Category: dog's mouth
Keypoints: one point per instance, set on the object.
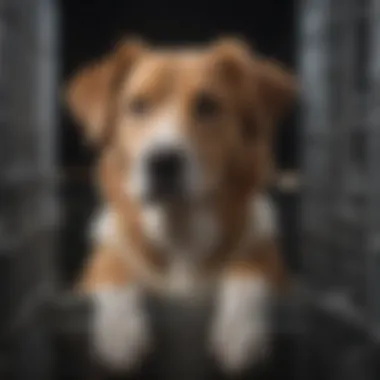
(166, 197)
(172, 194)
(178, 198)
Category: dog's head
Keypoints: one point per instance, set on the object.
(184, 123)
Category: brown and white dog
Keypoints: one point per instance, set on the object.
(185, 140)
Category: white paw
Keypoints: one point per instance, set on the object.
(240, 335)
(120, 331)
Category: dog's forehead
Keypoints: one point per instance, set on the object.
(167, 66)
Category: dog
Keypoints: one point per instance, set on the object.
(184, 140)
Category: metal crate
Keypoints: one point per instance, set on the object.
(340, 213)
(339, 50)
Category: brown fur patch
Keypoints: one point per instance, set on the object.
(264, 259)
(104, 268)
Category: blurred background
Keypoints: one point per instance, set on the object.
(328, 185)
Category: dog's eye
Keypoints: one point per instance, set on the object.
(206, 105)
(138, 106)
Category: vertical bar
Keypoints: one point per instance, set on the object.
(316, 126)
(4, 257)
(31, 91)
(373, 211)
(314, 66)
(341, 129)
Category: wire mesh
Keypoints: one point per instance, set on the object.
(28, 210)
(339, 60)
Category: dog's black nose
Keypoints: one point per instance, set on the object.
(166, 164)
(166, 172)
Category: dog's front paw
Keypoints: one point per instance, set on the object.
(239, 342)
(120, 334)
(240, 335)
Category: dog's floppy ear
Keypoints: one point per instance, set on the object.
(232, 59)
(263, 92)
(275, 85)
(89, 94)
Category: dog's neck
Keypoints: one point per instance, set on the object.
(188, 231)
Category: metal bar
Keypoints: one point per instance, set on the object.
(373, 210)
(342, 50)
(314, 65)
(316, 122)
